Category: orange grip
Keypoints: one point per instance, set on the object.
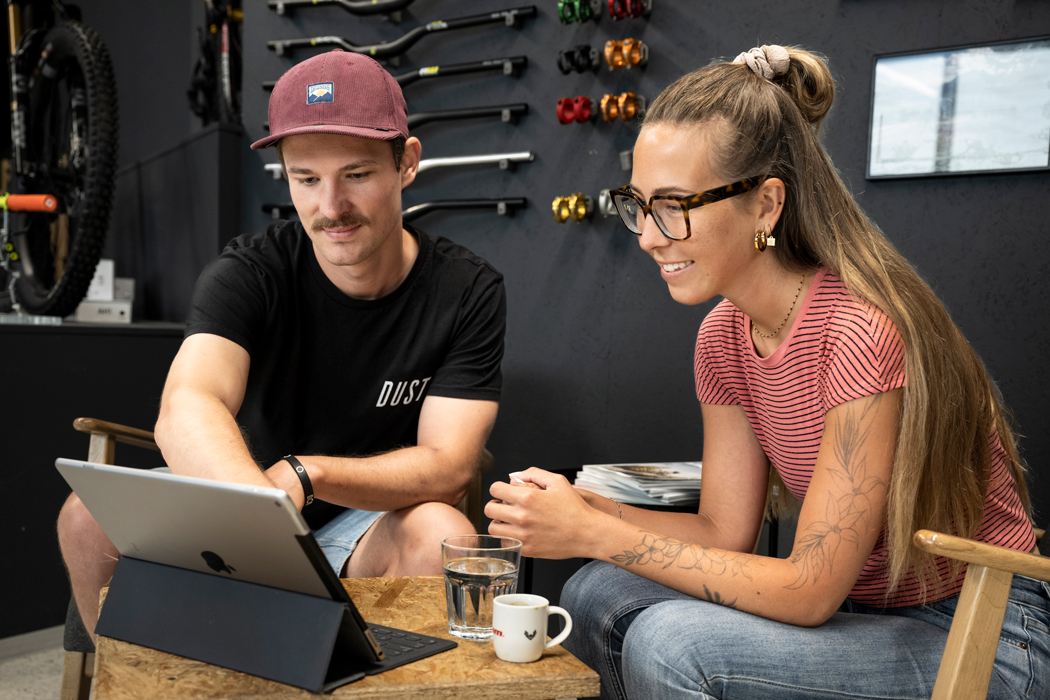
(32, 202)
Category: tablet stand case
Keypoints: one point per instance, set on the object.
(293, 638)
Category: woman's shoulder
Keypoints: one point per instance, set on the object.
(846, 315)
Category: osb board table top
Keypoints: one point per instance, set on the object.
(126, 671)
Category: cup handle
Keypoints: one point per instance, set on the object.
(555, 610)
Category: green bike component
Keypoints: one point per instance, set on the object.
(570, 11)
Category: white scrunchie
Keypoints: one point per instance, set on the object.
(766, 61)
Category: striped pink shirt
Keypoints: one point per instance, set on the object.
(837, 350)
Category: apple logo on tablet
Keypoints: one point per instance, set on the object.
(216, 564)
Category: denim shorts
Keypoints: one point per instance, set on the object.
(339, 536)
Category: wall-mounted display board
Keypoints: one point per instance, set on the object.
(599, 357)
(972, 109)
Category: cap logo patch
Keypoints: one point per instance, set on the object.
(320, 92)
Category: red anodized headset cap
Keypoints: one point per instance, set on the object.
(337, 92)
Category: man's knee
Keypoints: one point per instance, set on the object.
(427, 522)
(74, 522)
(79, 534)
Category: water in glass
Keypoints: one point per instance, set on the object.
(471, 584)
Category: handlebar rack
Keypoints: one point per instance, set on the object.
(503, 206)
(392, 49)
(506, 161)
(392, 8)
(509, 114)
(511, 65)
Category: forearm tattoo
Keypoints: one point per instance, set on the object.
(666, 552)
(847, 511)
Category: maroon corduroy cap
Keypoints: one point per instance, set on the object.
(337, 93)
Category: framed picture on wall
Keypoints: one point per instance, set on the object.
(962, 110)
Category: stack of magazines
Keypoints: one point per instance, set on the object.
(647, 483)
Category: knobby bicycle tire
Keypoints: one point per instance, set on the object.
(73, 138)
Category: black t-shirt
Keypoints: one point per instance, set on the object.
(339, 376)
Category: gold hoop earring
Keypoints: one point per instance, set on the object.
(761, 240)
(764, 237)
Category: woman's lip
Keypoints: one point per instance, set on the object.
(672, 274)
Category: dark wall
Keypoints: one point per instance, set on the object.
(177, 197)
(599, 358)
(153, 48)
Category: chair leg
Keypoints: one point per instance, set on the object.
(102, 448)
(76, 676)
(969, 655)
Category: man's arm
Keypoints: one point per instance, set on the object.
(196, 430)
(450, 438)
(198, 436)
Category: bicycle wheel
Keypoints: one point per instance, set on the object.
(72, 144)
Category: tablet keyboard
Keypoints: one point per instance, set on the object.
(402, 647)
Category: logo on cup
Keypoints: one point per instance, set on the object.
(529, 636)
(497, 632)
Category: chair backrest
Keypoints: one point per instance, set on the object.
(969, 655)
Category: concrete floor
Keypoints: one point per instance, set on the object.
(35, 675)
(31, 665)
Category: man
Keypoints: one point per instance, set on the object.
(348, 334)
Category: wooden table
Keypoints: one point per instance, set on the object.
(126, 671)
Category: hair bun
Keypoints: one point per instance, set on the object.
(809, 83)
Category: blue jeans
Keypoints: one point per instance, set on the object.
(647, 641)
(338, 537)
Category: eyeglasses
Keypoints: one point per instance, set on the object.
(671, 212)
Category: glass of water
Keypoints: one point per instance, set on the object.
(477, 569)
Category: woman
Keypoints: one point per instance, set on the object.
(830, 361)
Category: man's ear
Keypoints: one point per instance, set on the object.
(410, 161)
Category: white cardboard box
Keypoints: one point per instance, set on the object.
(104, 312)
(101, 287)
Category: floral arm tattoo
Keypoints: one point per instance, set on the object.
(844, 514)
(666, 552)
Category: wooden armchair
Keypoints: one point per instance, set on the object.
(966, 666)
(79, 665)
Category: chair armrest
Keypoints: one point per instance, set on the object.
(120, 433)
(988, 555)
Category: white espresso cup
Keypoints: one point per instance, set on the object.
(519, 626)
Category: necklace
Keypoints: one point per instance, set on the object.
(795, 301)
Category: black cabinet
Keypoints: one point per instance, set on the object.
(52, 375)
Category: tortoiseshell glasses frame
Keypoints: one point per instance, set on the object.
(629, 205)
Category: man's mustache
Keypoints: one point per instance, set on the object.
(346, 220)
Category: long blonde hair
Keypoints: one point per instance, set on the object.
(950, 405)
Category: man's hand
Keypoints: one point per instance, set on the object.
(283, 476)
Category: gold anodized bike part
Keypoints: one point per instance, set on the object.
(625, 54)
(610, 107)
(628, 104)
(562, 210)
(578, 206)
(614, 57)
(633, 52)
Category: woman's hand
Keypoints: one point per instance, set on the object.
(553, 521)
